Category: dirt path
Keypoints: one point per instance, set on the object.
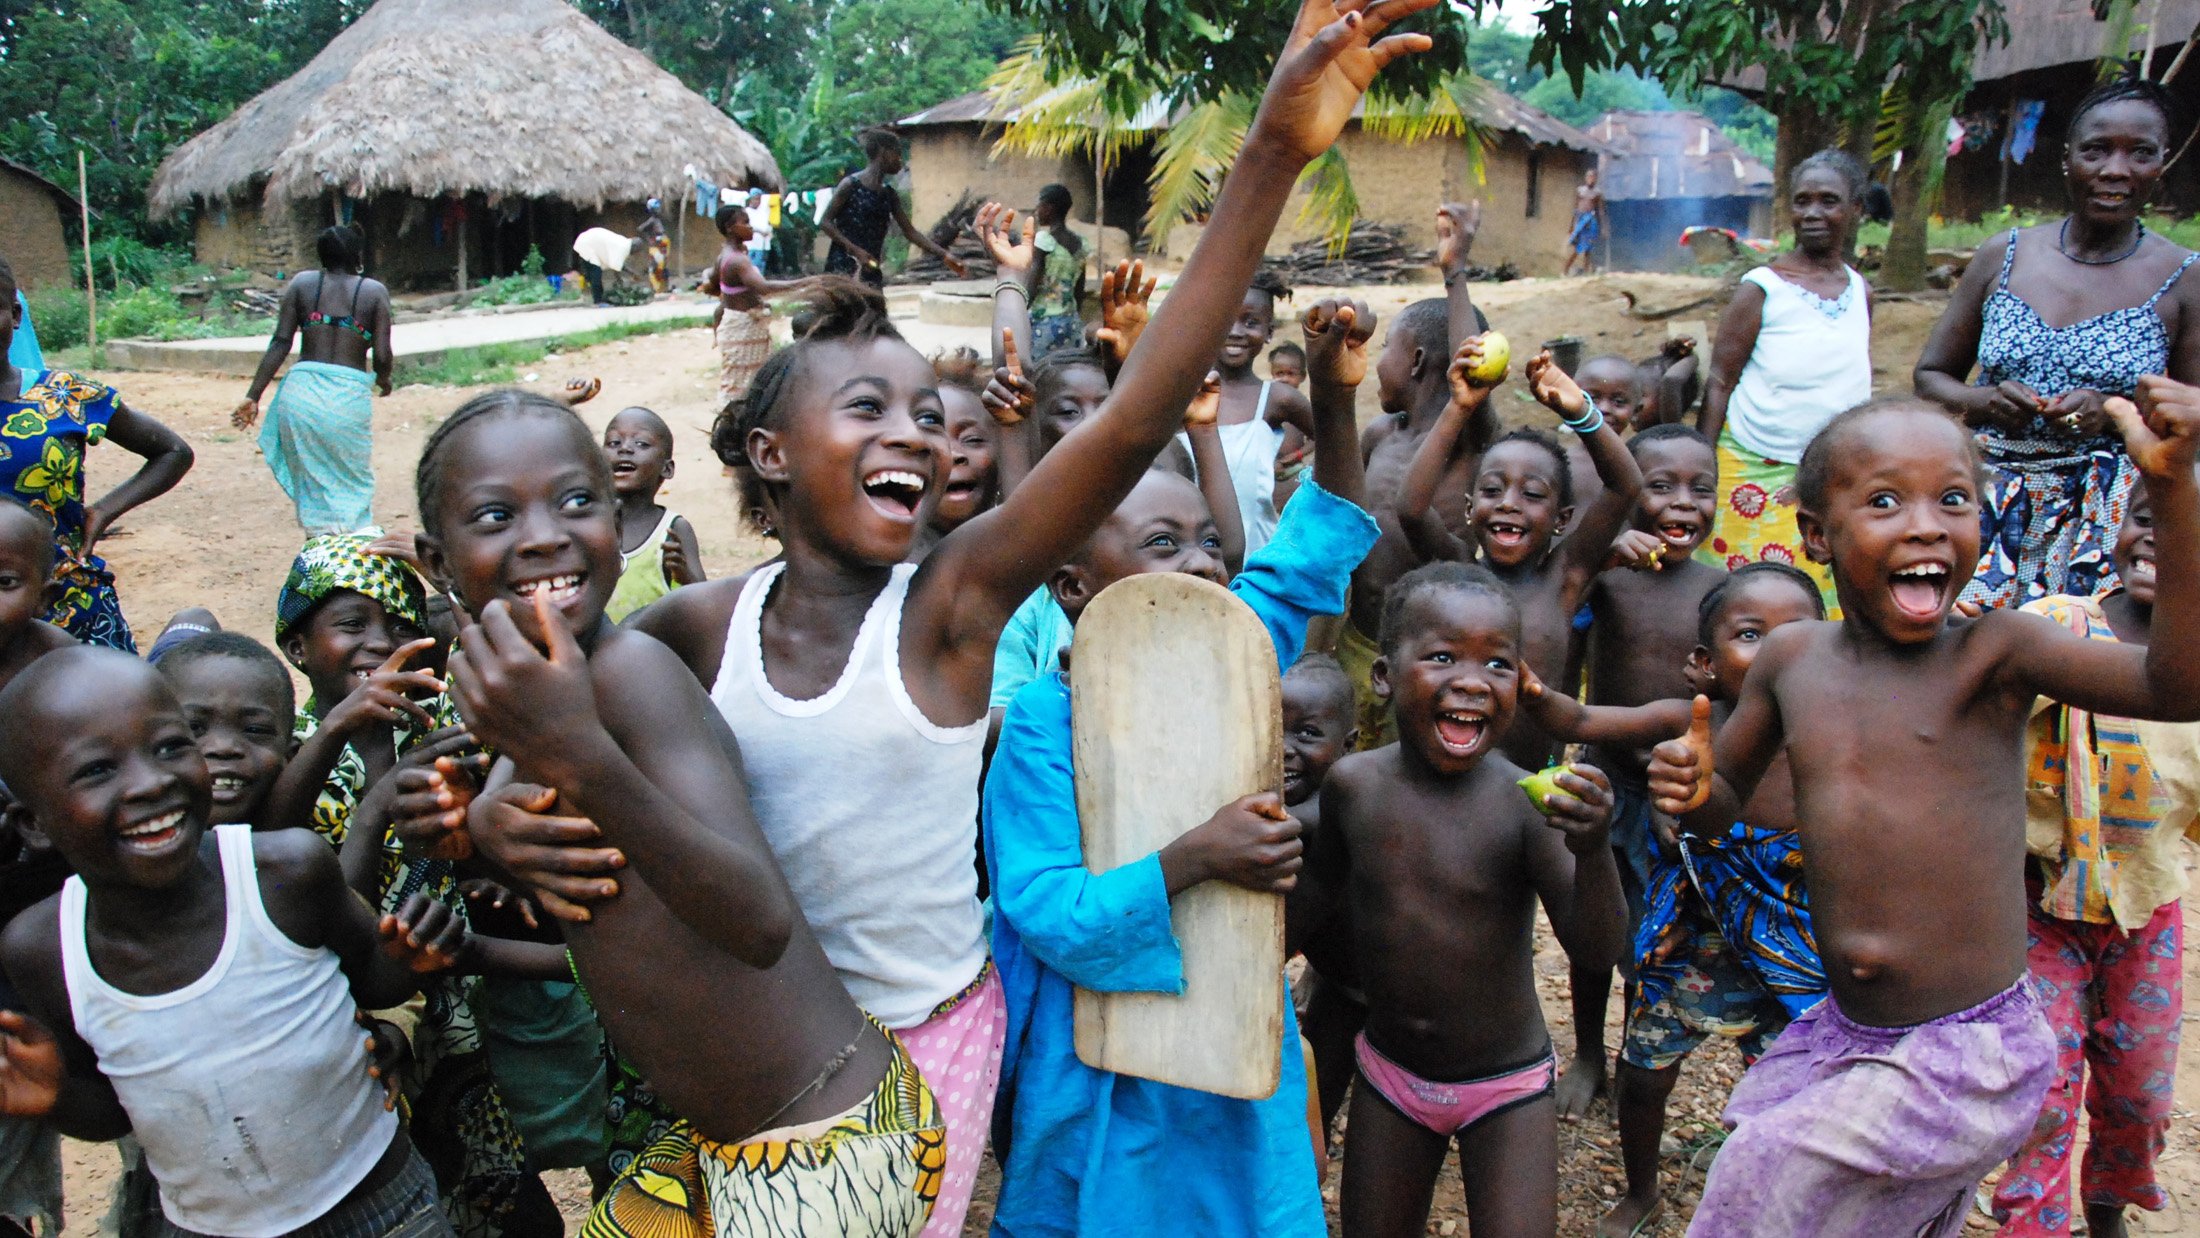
(225, 538)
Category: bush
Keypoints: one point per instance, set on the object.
(123, 262)
(529, 287)
(60, 317)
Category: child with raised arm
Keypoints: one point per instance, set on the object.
(1412, 386)
(1725, 947)
(2104, 880)
(657, 548)
(1641, 637)
(198, 991)
(1441, 858)
(1521, 515)
(1086, 1151)
(858, 682)
(1878, 1112)
(819, 1109)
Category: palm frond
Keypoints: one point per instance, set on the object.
(1331, 201)
(1450, 111)
(1191, 157)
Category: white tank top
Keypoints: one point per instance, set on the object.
(1813, 360)
(1249, 448)
(871, 808)
(247, 1086)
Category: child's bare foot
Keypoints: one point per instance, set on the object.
(1580, 1083)
(1631, 1216)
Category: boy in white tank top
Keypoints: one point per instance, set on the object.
(199, 992)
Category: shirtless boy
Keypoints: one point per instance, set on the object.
(1879, 1111)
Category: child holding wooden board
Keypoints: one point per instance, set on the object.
(1085, 1150)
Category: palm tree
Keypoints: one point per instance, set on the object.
(1057, 113)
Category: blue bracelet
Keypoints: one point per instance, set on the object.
(1589, 424)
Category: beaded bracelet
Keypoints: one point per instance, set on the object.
(1588, 424)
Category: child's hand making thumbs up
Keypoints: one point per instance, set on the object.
(1680, 769)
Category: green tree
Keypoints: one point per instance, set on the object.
(713, 44)
(1603, 90)
(893, 58)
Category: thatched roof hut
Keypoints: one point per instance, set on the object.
(516, 101)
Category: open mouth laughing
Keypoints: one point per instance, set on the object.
(895, 492)
(560, 589)
(1505, 533)
(1461, 732)
(154, 834)
(2141, 571)
(229, 788)
(1920, 590)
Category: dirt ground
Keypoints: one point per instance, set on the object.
(225, 537)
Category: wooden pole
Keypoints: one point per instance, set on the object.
(1099, 198)
(91, 292)
(680, 246)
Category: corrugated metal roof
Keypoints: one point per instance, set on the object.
(1492, 108)
(2046, 33)
(1674, 155)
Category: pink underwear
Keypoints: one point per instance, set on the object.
(1448, 1108)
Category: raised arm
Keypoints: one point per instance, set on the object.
(1582, 552)
(1460, 430)
(1016, 261)
(1010, 399)
(650, 762)
(2163, 681)
(1457, 223)
(1213, 470)
(1337, 333)
(990, 564)
(1731, 345)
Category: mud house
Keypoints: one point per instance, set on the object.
(1529, 165)
(457, 135)
(1666, 171)
(32, 237)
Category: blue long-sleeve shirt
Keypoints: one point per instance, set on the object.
(1088, 1152)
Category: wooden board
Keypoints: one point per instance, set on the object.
(1177, 709)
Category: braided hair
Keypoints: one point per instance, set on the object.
(491, 405)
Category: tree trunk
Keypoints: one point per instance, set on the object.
(1916, 188)
(1803, 130)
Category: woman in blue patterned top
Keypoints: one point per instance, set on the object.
(2060, 478)
(48, 419)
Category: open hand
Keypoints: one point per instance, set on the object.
(537, 708)
(424, 934)
(1008, 396)
(1126, 295)
(433, 783)
(1582, 810)
(1554, 388)
(2162, 429)
(1335, 50)
(498, 897)
(388, 1054)
(560, 858)
(1206, 406)
(31, 1069)
(1456, 226)
(1337, 331)
(385, 697)
(1680, 769)
(1014, 253)
(246, 412)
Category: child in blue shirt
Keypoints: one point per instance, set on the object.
(1086, 1151)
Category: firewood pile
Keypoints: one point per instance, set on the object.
(954, 232)
(1373, 254)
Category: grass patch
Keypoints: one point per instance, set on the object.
(495, 364)
(1960, 234)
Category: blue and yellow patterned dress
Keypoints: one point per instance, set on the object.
(44, 434)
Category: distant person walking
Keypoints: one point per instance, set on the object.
(319, 436)
(863, 206)
(1581, 239)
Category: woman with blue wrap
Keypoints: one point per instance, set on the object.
(319, 436)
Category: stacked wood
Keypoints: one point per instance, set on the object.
(952, 231)
(1373, 253)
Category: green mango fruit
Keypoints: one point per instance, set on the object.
(1543, 784)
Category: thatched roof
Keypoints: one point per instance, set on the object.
(518, 98)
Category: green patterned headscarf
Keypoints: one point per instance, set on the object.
(342, 561)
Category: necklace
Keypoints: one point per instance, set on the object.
(2062, 243)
